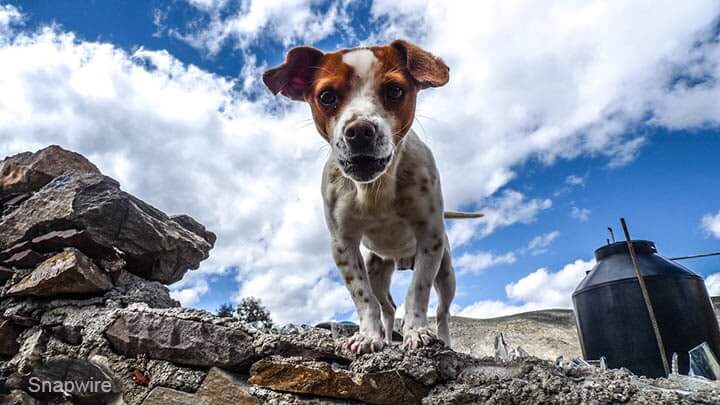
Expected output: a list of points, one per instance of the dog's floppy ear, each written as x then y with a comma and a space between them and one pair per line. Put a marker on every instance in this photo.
293, 78
427, 69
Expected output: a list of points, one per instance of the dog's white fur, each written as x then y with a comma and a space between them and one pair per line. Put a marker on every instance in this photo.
392, 222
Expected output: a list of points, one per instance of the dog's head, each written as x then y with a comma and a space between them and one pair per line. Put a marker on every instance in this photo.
362, 100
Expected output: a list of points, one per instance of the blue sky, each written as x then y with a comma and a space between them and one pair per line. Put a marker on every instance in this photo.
552, 124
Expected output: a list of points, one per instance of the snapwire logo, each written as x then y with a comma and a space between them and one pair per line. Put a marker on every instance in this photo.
37, 385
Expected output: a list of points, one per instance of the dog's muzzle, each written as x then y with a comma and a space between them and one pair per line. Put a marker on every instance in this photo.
362, 162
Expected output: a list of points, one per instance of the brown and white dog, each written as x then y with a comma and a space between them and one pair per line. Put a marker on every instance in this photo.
380, 185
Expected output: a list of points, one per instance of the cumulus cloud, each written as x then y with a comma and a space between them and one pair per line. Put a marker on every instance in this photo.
711, 224
712, 282
581, 214
9, 16
539, 244
244, 23
575, 180
509, 208
479, 261
540, 289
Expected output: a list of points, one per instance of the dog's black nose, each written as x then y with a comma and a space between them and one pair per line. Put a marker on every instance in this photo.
360, 136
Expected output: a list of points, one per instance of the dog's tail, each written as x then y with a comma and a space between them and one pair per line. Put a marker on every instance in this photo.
461, 215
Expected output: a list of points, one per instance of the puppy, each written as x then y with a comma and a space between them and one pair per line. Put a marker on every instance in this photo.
380, 186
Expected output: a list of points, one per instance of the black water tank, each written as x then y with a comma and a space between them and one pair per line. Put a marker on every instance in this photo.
613, 320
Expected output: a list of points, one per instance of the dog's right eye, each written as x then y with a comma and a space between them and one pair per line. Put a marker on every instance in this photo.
327, 97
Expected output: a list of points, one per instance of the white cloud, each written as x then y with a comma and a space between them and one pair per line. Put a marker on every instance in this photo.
712, 282
286, 21
711, 224
9, 16
575, 180
509, 208
540, 289
540, 243
477, 262
581, 214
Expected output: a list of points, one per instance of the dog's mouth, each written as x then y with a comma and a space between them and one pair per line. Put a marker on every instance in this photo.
364, 168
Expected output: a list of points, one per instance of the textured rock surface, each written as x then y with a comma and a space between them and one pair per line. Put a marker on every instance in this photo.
183, 341
9, 332
28, 172
69, 272
222, 387
301, 376
155, 246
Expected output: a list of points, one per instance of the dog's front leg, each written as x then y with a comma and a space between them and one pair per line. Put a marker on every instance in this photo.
352, 268
430, 248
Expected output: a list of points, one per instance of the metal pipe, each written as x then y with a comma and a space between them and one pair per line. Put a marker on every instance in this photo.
695, 256
646, 297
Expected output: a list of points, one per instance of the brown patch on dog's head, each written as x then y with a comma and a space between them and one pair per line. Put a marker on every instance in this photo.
372, 88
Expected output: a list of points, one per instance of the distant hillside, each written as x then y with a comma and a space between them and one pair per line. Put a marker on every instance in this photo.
546, 334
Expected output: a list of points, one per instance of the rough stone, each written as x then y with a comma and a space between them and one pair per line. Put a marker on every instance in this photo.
189, 223
29, 172
5, 274
329, 380
88, 383
222, 387
9, 333
18, 397
69, 272
129, 288
168, 396
155, 246
24, 259
181, 341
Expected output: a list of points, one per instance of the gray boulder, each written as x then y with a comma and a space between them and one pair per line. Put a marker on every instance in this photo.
183, 341
154, 246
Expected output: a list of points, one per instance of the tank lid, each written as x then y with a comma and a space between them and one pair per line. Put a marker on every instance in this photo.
640, 247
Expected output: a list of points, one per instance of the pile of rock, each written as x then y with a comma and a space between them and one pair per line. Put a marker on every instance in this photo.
85, 318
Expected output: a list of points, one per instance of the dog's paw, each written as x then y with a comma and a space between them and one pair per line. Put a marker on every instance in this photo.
360, 343
416, 338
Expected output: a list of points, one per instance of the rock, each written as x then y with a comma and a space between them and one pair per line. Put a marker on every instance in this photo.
221, 387
29, 172
17, 397
24, 260
33, 345
5, 274
328, 380
9, 333
130, 289
181, 341
12, 201
195, 227
155, 246
69, 272
168, 396
87, 382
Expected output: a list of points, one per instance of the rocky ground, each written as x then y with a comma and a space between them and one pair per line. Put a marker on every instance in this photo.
86, 318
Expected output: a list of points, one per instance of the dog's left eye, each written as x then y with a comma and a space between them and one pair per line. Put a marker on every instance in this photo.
328, 97
394, 92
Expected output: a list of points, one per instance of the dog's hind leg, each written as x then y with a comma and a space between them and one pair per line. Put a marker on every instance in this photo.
445, 287
380, 272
